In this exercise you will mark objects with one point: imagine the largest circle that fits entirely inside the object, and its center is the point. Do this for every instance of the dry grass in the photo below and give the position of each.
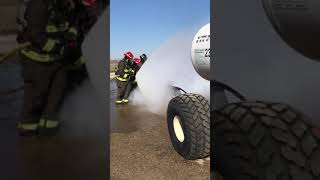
(113, 66)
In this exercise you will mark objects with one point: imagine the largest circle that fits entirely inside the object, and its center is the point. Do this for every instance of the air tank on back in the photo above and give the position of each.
(200, 52)
(298, 24)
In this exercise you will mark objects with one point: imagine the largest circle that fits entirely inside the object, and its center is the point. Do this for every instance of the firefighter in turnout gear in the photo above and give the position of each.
(83, 16)
(138, 62)
(132, 84)
(123, 73)
(43, 64)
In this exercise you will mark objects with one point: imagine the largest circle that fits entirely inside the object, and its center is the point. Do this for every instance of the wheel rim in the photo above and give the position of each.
(178, 131)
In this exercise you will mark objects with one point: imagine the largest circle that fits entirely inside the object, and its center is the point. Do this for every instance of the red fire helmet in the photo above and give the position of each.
(128, 54)
(137, 60)
(89, 3)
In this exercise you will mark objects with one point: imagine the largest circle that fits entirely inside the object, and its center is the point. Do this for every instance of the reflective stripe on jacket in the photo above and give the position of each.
(46, 36)
(33, 55)
(122, 79)
(52, 28)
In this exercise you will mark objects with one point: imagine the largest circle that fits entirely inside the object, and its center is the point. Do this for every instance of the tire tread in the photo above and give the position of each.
(279, 142)
(196, 110)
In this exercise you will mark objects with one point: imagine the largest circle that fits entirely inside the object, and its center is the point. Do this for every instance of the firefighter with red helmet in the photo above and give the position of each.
(124, 72)
(83, 16)
(43, 63)
(132, 78)
(136, 65)
(88, 3)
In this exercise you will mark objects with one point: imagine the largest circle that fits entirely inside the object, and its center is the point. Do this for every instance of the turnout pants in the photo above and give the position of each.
(122, 85)
(127, 90)
(130, 87)
(44, 88)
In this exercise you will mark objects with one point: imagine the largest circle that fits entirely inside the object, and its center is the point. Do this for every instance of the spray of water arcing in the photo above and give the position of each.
(170, 64)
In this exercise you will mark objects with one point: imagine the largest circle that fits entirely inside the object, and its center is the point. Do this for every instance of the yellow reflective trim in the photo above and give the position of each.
(64, 27)
(73, 30)
(122, 79)
(126, 70)
(49, 45)
(82, 60)
(66, 24)
(125, 75)
(77, 64)
(118, 101)
(42, 122)
(48, 123)
(51, 29)
(28, 126)
(54, 28)
(36, 56)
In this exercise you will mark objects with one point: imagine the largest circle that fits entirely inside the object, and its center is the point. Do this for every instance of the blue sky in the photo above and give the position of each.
(142, 25)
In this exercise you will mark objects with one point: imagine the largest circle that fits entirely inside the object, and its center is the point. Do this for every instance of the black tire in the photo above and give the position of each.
(193, 111)
(265, 141)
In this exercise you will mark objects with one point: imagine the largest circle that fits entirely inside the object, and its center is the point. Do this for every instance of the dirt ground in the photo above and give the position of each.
(148, 154)
(141, 149)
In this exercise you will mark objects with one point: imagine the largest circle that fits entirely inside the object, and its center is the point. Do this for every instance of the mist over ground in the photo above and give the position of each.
(79, 110)
(170, 64)
(86, 110)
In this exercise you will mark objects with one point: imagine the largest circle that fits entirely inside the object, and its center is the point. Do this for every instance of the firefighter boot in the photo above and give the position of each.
(48, 127)
(28, 128)
(125, 100)
(118, 101)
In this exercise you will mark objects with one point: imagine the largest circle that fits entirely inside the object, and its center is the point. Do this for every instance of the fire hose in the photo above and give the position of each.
(13, 52)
